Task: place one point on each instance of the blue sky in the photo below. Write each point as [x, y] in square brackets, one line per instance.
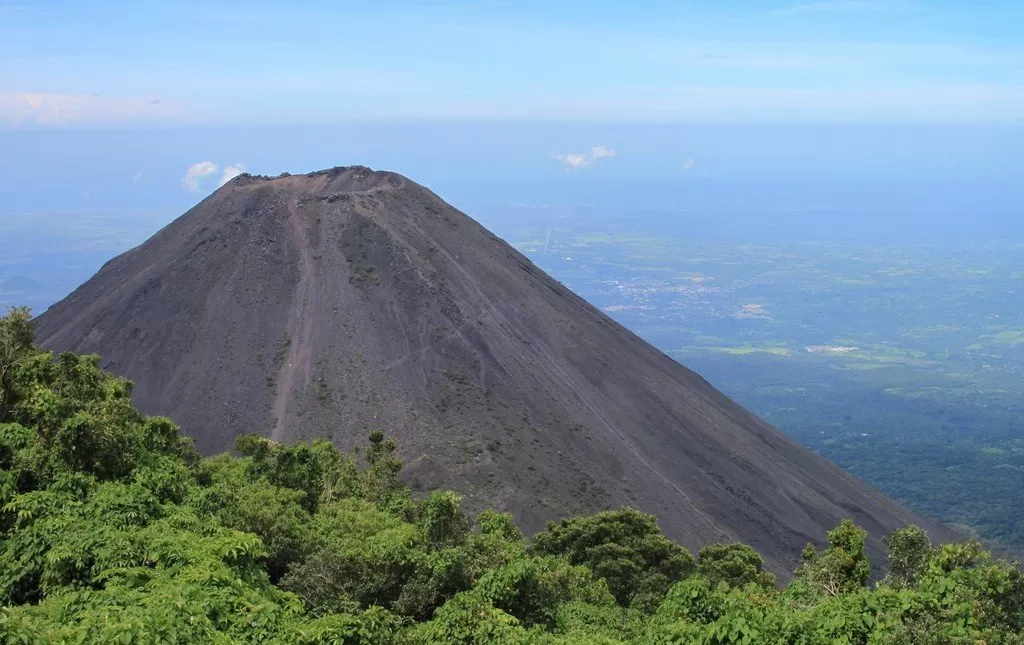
[899, 105]
[108, 63]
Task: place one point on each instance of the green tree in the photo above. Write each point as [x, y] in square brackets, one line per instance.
[255, 505]
[468, 619]
[362, 556]
[316, 468]
[533, 588]
[909, 553]
[737, 565]
[625, 548]
[842, 567]
[16, 342]
[442, 521]
[381, 483]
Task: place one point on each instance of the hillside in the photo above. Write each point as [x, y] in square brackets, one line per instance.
[112, 530]
[330, 304]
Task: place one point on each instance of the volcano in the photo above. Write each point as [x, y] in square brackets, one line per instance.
[346, 300]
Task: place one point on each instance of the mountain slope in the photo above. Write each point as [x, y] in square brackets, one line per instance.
[333, 303]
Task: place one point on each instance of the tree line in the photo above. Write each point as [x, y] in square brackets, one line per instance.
[114, 529]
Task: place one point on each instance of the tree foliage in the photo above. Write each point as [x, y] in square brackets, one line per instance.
[113, 530]
[842, 567]
[624, 548]
[736, 565]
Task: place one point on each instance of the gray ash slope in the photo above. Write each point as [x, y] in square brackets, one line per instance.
[329, 304]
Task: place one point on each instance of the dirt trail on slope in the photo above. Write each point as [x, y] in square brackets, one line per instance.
[296, 367]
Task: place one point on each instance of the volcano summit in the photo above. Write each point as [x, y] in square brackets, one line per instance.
[333, 303]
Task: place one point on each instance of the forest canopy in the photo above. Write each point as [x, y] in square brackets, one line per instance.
[113, 529]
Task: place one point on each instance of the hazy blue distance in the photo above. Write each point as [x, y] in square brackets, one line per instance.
[837, 180]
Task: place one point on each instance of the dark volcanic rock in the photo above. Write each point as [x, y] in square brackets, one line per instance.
[330, 304]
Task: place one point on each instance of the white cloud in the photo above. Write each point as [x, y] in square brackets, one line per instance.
[688, 164]
[196, 172]
[230, 172]
[576, 161]
[28, 109]
[137, 177]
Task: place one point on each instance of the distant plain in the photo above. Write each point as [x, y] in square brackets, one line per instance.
[901, 362]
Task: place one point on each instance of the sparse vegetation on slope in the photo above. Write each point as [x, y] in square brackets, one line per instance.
[112, 529]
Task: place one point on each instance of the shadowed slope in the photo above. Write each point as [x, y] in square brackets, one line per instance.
[333, 303]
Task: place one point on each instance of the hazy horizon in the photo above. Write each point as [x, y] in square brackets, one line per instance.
[848, 179]
[904, 116]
